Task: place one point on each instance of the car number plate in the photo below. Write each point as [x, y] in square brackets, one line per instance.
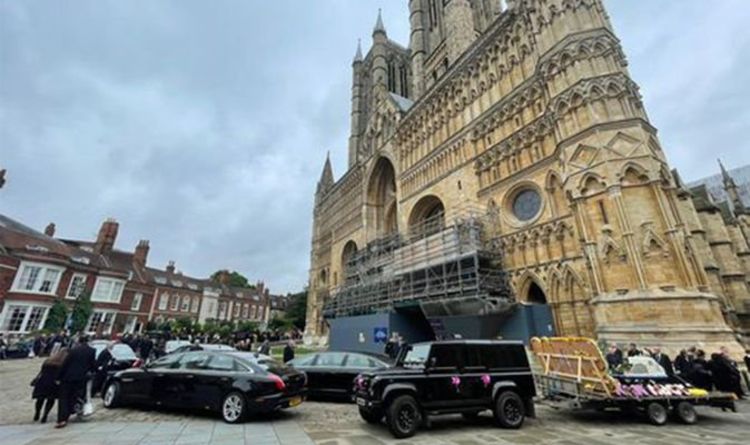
[295, 401]
[361, 401]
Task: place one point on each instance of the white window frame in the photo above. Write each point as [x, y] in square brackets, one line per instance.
[82, 276]
[135, 305]
[28, 309]
[116, 287]
[163, 301]
[39, 280]
[104, 313]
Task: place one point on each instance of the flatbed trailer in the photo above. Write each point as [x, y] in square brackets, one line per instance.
[575, 376]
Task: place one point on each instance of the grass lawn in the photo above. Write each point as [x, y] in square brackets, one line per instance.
[278, 351]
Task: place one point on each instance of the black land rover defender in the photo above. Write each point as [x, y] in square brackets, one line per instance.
[458, 376]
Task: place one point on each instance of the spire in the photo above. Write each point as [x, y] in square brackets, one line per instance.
[725, 175]
[326, 177]
[732, 191]
[358, 54]
[379, 27]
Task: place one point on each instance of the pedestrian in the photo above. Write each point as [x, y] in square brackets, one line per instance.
[146, 345]
[726, 374]
[265, 347]
[3, 347]
[38, 346]
[700, 372]
[74, 371]
[633, 350]
[682, 363]
[390, 346]
[662, 359]
[102, 367]
[289, 351]
[45, 389]
[614, 357]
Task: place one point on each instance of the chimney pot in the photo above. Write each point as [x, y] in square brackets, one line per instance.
[170, 267]
[140, 256]
[50, 230]
[105, 241]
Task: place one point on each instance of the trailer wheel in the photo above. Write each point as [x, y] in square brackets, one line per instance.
[685, 412]
[657, 413]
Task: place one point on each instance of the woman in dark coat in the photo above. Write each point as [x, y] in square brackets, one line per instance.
[45, 388]
[700, 372]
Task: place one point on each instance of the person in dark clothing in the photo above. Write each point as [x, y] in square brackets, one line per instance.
[614, 357]
[700, 372]
[265, 347]
[38, 346]
[663, 360]
[633, 350]
[102, 367]
[683, 363]
[45, 389]
[146, 345]
[726, 374]
[81, 361]
[391, 346]
[289, 351]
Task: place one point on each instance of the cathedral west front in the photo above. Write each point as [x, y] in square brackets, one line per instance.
[521, 116]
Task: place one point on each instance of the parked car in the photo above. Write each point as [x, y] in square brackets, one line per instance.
[331, 374]
[204, 347]
[19, 349]
[123, 357]
[222, 382]
[466, 377]
[172, 345]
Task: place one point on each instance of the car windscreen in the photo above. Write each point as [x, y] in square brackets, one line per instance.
[123, 352]
[417, 355]
[262, 362]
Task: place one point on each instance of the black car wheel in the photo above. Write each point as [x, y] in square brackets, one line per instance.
[657, 413]
[509, 410]
[403, 416]
[370, 415]
[233, 407]
[111, 395]
[685, 412]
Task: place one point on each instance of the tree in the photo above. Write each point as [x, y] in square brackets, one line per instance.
[183, 325]
[236, 279]
[281, 324]
[58, 313]
[296, 310]
[247, 326]
[82, 310]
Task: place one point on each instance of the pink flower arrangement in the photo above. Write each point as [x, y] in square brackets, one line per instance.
[486, 380]
[456, 381]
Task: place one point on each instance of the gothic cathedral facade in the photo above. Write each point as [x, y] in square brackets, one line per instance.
[528, 111]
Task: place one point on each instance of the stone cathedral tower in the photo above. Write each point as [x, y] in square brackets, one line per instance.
[528, 113]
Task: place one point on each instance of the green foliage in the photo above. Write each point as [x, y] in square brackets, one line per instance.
[247, 326]
[58, 313]
[82, 310]
[183, 325]
[281, 324]
[236, 279]
[296, 310]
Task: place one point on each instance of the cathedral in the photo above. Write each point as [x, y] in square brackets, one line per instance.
[505, 159]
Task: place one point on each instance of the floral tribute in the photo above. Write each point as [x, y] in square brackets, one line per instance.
[486, 380]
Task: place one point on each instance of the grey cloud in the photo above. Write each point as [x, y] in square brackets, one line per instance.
[203, 126]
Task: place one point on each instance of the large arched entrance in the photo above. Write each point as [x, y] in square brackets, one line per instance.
[347, 272]
[427, 217]
[382, 212]
[535, 294]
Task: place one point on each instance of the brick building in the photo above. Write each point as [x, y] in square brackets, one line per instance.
[37, 269]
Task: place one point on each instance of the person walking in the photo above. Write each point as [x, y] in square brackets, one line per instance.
[102, 367]
[45, 389]
[74, 371]
[289, 351]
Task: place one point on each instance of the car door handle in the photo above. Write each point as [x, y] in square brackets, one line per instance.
[189, 376]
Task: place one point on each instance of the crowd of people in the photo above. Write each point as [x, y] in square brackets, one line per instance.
[719, 372]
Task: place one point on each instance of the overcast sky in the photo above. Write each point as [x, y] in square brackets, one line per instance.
[203, 125]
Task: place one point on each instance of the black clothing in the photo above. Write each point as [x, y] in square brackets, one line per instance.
[48, 404]
[614, 359]
[682, 364]
[79, 362]
[45, 386]
[390, 349]
[663, 359]
[38, 347]
[146, 345]
[633, 352]
[69, 393]
[265, 348]
[726, 375]
[288, 353]
[700, 374]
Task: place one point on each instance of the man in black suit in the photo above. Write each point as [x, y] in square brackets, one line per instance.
[72, 378]
[663, 360]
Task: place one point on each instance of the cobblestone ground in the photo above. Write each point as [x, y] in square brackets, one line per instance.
[339, 424]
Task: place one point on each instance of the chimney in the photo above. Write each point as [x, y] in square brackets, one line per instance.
[105, 241]
[50, 230]
[170, 267]
[141, 253]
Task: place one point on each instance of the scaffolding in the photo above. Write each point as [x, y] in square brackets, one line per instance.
[445, 269]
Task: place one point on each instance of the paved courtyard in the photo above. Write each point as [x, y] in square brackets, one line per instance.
[339, 424]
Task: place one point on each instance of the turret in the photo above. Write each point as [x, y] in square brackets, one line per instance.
[356, 113]
[459, 26]
[732, 190]
[417, 44]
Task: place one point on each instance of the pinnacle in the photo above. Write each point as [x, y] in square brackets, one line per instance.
[379, 27]
[358, 54]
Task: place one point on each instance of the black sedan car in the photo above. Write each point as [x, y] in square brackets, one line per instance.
[227, 383]
[123, 357]
[331, 374]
